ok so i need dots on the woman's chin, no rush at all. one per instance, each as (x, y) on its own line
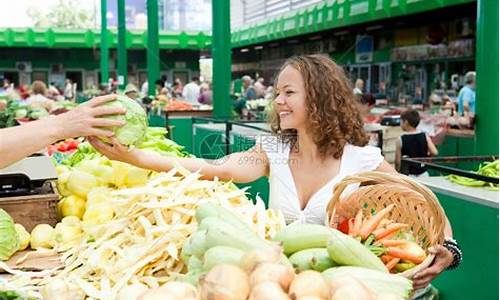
(286, 125)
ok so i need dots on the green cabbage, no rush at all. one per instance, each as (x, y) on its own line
(134, 131)
(9, 240)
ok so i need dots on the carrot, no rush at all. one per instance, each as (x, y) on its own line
(386, 258)
(393, 243)
(373, 222)
(383, 231)
(388, 237)
(384, 222)
(392, 263)
(405, 255)
(358, 221)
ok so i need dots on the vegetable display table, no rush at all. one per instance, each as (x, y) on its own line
(473, 214)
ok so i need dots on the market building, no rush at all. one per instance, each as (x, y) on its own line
(215, 160)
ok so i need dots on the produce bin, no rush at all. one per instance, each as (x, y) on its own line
(31, 210)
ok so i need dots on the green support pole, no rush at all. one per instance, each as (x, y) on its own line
(487, 77)
(122, 46)
(104, 44)
(153, 49)
(221, 55)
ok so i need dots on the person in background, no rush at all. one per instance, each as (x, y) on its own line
(177, 88)
(248, 94)
(68, 89)
(144, 88)
(413, 143)
(159, 88)
(6, 84)
(467, 96)
(382, 93)
(191, 91)
(365, 104)
(359, 86)
(52, 91)
(260, 88)
(205, 94)
(249, 88)
(38, 96)
(132, 93)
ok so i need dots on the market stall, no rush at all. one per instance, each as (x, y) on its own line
(472, 210)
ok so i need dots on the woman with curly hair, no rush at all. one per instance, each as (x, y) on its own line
(318, 140)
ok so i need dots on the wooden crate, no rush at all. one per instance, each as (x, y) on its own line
(32, 209)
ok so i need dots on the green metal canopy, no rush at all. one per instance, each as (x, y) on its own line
(332, 14)
(79, 38)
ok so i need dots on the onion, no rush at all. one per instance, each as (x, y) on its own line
(281, 274)
(309, 283)
(132, 292)
(257, 256)
(349, 288)
(172, 290)
(268, 291)
(225, 282)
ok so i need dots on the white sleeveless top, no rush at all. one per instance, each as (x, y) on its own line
(283, 193)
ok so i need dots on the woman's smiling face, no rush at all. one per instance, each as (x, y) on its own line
(290, 101)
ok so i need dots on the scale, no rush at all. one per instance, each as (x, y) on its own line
(391, 120)
(27, 176)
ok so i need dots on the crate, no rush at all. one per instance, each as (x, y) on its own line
(32, 210)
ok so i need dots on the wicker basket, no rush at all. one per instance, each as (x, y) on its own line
(414, 203)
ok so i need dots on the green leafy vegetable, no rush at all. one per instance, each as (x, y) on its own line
(9, 240)
(133, 132)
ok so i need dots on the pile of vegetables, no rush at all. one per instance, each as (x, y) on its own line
(176, 105)
(15, 110)
(19, 110)
(489, 169)
(142, 242)
(68, 145)
(392, 242)
(86, 176)
(226, 260)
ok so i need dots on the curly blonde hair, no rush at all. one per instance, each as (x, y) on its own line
(333, 118)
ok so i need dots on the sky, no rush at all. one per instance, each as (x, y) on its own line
(14, 14)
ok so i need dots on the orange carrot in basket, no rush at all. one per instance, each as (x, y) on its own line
(392, 263)
(358, 221)
(384, 223)
(388, 237)
(405, 255)
(393, 243)
(373, 222)
(381, 232)
(386, 258)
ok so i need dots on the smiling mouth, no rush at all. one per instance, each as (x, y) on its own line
(284, 113)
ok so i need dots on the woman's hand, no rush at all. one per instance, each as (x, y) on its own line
(116, 151)
(442, 260)
(85, 120)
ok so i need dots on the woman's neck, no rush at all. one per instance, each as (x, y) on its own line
(305, 147)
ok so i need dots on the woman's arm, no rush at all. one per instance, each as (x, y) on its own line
(431, 148)
(241, 167)
(397, 158)
(386, 167)
(20, 141)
